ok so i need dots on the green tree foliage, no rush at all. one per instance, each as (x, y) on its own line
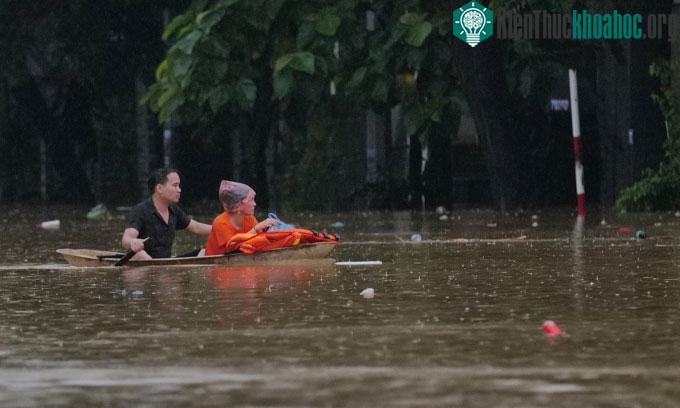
(69, 70)
(305, 67)
(658, 189)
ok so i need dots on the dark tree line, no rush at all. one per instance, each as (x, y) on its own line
(246, 88)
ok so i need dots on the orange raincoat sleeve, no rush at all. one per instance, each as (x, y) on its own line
(223, 230)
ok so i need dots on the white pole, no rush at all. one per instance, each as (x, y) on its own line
(576, 132)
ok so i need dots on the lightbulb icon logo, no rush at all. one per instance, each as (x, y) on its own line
(473, 23)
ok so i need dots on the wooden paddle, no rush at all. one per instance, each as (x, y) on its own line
(114, 255)
(128, 256)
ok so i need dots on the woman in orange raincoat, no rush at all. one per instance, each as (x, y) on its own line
(238, 201)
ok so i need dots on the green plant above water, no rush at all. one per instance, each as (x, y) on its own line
(658, 189)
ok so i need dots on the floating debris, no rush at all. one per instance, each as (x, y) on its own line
(98, 212)
(49, 225)
(603, 222)
(534, 224)
(625, 229)
(337, 224)
(550, 329)
(441, 210)
(367, 293)
(443, 217)
(416, 237)
(640, 234)
(358, 263)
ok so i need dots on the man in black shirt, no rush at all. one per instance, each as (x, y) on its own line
(158, 217)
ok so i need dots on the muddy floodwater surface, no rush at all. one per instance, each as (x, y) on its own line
(455, 321)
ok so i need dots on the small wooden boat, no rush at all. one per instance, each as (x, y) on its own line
(293, 255)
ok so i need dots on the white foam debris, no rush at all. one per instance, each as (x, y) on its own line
(367, 293)
(358, 263)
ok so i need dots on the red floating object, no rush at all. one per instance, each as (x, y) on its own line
(625, 230)
(550, 329)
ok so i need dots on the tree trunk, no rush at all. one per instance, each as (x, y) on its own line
(483, 82)
(675, 54)
(4, 134)
(437, 177)
(415, 176)
(629, 125)
(143, 140)
(265, 121)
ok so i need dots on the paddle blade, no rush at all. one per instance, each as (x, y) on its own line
(124, 259)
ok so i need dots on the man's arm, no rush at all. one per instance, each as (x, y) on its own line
(130, 240)
(199, 228)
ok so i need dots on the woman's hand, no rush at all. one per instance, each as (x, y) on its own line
(264, 224)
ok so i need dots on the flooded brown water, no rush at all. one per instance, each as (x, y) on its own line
(455, 321)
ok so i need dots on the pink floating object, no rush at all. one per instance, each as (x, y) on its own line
(625, 230)
(550, 329)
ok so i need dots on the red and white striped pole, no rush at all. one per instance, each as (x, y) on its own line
(576, 132)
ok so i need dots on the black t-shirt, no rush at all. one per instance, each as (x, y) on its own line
(144, 218)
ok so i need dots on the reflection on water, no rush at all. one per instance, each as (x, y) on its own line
(455, 321)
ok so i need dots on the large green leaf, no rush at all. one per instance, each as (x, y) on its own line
(227, 3)
(208, 19)
(168, 109)
(197, 6)
(282, 83)
(417, 33)
(166, 95)
(187, 43)
(304, 61)
(305, 35)
(161, 69)
(395, 35)
(181, 65)
(300, 61)
(177, 22)
(411, 19)
(328, 23)
(218, 97)
(357, 78)
(215, 46)
(151, 95)
(247, 90)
